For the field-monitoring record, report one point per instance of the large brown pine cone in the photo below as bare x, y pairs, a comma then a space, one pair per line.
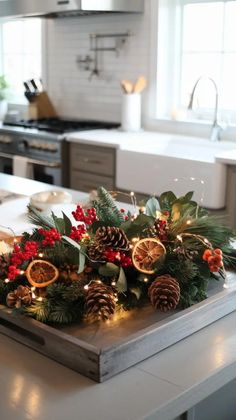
21, 296
164, 293
100, 301
95, 252
112, 237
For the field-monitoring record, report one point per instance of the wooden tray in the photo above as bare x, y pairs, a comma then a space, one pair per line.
101, 350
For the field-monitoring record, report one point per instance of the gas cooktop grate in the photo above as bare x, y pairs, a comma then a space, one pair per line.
60, 126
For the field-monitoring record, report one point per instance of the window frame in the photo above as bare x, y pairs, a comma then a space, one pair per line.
151, 120
44, 64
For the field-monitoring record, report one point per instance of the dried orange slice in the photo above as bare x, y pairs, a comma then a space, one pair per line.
41, 273
146, 253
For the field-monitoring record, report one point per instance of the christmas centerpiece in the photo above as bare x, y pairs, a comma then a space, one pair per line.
163, 254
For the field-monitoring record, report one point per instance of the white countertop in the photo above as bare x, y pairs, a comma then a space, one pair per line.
156, 143
34, 387
228, 157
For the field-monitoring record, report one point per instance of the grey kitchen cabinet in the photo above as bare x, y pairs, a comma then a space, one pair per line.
91, 167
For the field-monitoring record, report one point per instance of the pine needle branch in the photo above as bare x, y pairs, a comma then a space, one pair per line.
38, 219
107, 209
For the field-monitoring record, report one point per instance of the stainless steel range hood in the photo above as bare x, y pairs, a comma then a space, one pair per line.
63, 8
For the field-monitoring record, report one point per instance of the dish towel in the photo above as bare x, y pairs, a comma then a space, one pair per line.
22, 167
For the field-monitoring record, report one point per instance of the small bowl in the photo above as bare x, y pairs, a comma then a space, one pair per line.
46, 199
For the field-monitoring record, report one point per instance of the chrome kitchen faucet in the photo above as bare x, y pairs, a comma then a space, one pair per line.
216, 128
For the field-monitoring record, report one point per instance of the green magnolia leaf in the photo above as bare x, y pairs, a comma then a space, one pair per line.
71, 242
59, 223
134, 227
108, 270
81, 262
166, 200
67, 224
185, 199
152, 206
121, 284
189, 195
136, 291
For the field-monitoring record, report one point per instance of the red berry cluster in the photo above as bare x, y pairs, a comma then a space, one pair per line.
13, 272
20, 255
161, 228
214, 259
88, 217
78, 232
50, 236
126, 217
118, 257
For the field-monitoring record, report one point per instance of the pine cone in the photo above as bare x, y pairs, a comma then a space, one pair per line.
164, 293
20, 296
100, 301
112, 237
96, 251
4, 264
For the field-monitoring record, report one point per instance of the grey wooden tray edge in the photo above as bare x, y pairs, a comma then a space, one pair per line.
101, 364
117, 358
65, 349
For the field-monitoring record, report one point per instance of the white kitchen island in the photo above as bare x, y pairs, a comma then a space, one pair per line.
149, 162
163, 387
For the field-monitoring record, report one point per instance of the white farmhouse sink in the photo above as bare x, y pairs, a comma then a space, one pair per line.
152, 167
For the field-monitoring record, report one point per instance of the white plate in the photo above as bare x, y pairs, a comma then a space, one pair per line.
46, 199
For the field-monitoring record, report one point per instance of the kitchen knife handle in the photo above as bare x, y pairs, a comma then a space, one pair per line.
32, 81
26, 87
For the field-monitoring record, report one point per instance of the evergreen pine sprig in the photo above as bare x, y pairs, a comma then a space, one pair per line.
53, 311
38, 219
106, 208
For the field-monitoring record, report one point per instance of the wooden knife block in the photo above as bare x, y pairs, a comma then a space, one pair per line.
41, 107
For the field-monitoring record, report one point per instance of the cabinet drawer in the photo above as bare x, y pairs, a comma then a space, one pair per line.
94, 159
83, 181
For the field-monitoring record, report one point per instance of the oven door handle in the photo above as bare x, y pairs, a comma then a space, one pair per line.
46, 163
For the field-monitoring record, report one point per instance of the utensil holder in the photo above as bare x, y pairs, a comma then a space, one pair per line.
41, 107
131, 112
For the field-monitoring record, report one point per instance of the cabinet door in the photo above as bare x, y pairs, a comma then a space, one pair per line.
84, 181
93, 159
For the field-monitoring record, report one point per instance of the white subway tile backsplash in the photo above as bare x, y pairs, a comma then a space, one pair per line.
68, 84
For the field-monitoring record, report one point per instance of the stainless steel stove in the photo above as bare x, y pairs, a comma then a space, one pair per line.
43, 143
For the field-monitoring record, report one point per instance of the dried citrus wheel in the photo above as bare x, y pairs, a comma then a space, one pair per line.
145, 253
41, 273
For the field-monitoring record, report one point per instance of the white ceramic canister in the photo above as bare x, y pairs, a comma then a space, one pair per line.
131, 112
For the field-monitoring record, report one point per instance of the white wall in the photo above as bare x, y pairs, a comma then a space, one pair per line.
69, 86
